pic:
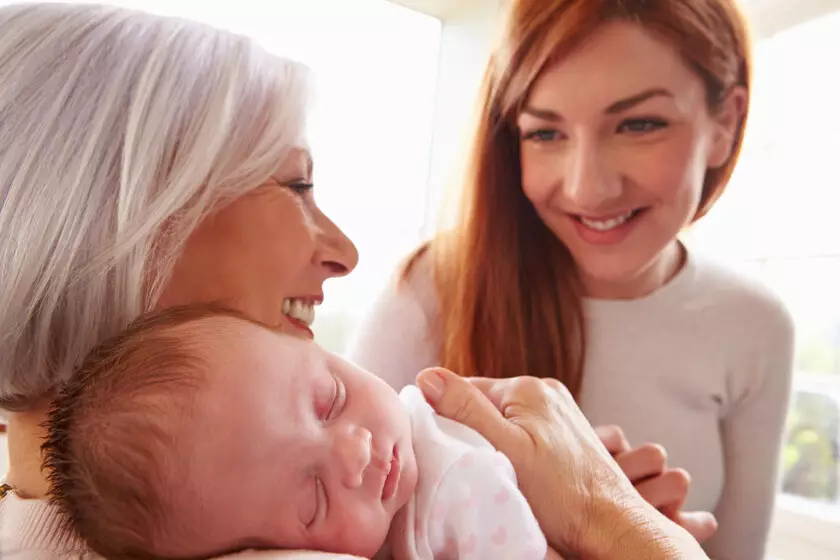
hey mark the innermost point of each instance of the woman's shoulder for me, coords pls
(736, 293)
(35, 529)
(415, 278)
(410, 293)
(398, 336)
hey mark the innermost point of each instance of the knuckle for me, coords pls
(557, 388)
(460, 408)
(528, 381)
(527, 384)
(553, 383)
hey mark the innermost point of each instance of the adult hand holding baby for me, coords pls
(585, 503)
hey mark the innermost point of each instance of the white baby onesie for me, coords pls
(467, 504)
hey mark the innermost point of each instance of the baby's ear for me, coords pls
(727, 118)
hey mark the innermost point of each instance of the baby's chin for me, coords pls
(364, 542)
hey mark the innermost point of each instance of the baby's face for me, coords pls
(293, 447)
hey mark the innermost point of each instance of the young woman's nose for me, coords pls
(590, 182)
(352, 447)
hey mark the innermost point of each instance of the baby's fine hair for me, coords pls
(113, 451)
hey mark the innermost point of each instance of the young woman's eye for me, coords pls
(641, 126)
(338, 400)
(542, 135)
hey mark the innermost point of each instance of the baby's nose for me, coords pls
(353, 454)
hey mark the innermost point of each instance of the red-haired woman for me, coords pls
(606, 128)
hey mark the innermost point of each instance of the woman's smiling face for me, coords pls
(616, 139)
(266, 254)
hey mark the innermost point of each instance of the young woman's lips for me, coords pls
(605, 232)
(392, 480)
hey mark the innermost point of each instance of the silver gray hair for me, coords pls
(119, 132)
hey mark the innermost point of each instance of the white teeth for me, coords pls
(606, 225)
(303, 311)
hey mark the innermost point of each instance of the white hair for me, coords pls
(119, 132)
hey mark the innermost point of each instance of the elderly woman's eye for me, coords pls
(301, 187)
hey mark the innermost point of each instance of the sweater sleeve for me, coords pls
(752, 435)
(397, 340)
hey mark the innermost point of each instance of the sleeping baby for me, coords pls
(197, 432)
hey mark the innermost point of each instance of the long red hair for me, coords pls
(510, 303)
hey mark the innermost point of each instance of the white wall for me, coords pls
(771, 16)
(466, 39)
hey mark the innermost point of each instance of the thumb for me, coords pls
(455, 398)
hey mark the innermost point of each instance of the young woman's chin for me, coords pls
(626, 274)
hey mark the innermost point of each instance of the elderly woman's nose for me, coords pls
(336, 253)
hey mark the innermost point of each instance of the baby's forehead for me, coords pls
(257, 382)
(230, 343)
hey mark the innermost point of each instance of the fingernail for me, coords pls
(431, 383)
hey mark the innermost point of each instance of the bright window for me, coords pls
(778, 221)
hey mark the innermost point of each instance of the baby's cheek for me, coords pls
(361, 531)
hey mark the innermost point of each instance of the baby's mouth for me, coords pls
(392, 479)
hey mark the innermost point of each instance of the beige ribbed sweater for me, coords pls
(701, 366)
(32, 530)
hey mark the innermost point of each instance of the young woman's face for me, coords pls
(616, 140)
(267, 254)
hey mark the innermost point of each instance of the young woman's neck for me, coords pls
(660, 272)
(25, 436)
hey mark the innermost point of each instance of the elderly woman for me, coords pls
(148, 162)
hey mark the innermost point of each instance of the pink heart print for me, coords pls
(501, 497)
(499, 536)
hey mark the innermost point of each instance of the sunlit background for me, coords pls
(395, 89)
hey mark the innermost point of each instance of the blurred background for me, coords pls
(396, 83)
